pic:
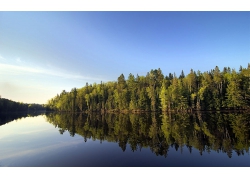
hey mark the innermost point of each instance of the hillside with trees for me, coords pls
(7, 105)
(211, 90)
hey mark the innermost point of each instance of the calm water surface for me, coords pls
(152, 140)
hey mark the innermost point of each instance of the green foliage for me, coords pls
(7, 105)
(211, 90)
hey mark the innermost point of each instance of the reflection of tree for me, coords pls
(121, 130)
(181, 129)
(240, 126)
(224, 133)
(7, 117)
(61, 131)
(134, 138)
(158, 144)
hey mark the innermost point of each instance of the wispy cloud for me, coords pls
(2, 58)
(18, 60)
(9, 67)
(20, 69)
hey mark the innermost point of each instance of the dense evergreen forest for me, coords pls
(211, 90)
(7, 105)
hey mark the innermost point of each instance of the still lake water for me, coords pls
(125, 140)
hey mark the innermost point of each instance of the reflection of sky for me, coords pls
(36, 151)
(42, 53)
(23, 126)
(32, 142)
(29, 137)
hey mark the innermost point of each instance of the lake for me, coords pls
(125, 140)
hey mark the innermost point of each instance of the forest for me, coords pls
(7, 105)
(197, 91)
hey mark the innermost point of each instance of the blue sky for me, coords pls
(43, 53)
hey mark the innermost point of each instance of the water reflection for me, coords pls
(221, 132)
(6, 117)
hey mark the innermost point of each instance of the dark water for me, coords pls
(152, 140)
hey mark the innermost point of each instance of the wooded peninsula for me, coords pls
(211, 90)
(7, 105)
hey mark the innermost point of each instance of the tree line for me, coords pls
(7, 105)
(211, 90)
(206, 132)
